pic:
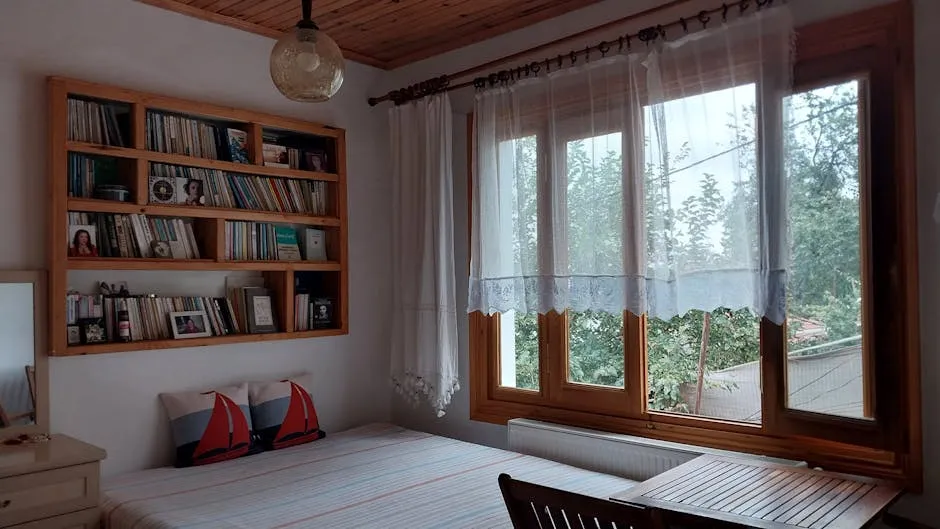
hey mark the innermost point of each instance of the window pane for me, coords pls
(701, 225)
(595, 348)
(519, 351)
(715, 374)
(825, 368)
(594, 198)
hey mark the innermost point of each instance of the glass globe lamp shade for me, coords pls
(307, 65)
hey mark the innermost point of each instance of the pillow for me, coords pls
(283, 412)
(210, 426)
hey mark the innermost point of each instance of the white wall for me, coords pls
(927, 17)
(111, 400)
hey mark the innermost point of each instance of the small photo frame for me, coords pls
(260, 313)
(316, 160)
(92, 330)
(191, 191)
(190, 324)
(322, 313)
(83, 241)
(74, 334)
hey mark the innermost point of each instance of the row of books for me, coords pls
(134, 235)
(96, 123)
(312, 313)
(233, 190)
(87, 171)
(78, 306)
(149, 317)
(252, 241)
(181, 135)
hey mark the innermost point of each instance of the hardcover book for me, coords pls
(238, 145)
(275, 156)
(315, 244)
(286, 242)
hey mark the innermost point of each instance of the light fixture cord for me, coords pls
(306, 22)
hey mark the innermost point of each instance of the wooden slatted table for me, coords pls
(762, 494)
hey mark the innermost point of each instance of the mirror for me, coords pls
(23, 372)
(17, 355)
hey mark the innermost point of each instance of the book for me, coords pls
(238, 145)
(286, 242)
(315, 244)
(275, 156)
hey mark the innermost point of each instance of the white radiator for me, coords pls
(631, 457)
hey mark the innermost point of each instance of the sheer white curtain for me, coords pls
(649, 181)
(424, 341)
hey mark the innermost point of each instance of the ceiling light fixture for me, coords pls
(306, 64)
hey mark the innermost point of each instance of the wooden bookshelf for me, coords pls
(279, 275)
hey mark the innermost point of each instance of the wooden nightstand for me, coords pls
(50, 485)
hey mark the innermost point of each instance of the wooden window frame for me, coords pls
(878, 40)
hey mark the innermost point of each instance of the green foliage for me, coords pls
(822, 169)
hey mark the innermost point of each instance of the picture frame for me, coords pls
(190, 324)
(83, 240)
(316, 160)
(322, 313)
(260, 308)
(73, 334)
(92, 330)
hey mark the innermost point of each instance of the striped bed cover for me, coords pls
(379, 475)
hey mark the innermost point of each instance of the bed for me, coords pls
(379, 475)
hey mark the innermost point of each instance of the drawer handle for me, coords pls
(4, 504)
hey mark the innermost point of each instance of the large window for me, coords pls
(837, 372)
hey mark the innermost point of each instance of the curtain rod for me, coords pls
(625, 42)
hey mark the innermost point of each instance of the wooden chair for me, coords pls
(534, 506)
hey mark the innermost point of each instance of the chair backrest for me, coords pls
(534, 506)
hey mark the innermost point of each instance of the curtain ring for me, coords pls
(743, 5)
(704, 19)
(587, 53)
(560, 61)
(724, 12)
(762, 3)
(603, 47)
(536, 68)
(573, 56)
(620, 40)
(685, 25)
(629, 46)
(548, 66)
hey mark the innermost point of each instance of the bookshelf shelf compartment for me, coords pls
(138, 263)
(192, 161)
(150, 345)
(131, 167)
(93, 205)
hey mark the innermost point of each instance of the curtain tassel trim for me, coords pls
(414, 388)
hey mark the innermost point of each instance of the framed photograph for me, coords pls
(83, 241)
(316, 161)
(191, 192)
(92, 330)
(322, 313)
(190, 324)
(74, 334)
(260, 312)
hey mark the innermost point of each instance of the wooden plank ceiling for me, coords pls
(383, 33)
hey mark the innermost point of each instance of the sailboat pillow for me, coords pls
(283, 412)
(210, 426)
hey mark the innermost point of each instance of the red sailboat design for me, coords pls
(226, 435)
(300, 425)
